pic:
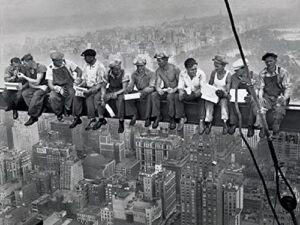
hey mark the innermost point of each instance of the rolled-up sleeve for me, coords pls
(202, 78)
(286, 83)
(100, 75)
(49, 73)
(181, 81)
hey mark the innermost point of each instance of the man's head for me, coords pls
(57, 58)
(115, 66)
(162, 59)
(140, 63)
(191, 66)
(219, 63)
(28, 61)
(89, 56)
(15, 62)
(239, 67)
(270, 59)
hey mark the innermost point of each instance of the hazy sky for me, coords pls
(66, 16)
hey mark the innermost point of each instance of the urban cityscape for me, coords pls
(148, 176)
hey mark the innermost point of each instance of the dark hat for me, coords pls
(89, 52)
(15, 60)
(27, 57)
(190, 62)
(220, 59)
(269, 54)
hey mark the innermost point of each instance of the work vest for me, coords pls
(62, 76)
(115, 83)
(272, 87)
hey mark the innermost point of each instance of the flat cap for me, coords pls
(27, 57)
(89, 52)
(57, 55)
(139, 60)
(269, 54)
(115, 62)
(239, 64)
(220, 59)
(161, 55)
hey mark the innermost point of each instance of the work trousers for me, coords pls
(157, 98)
(91, 104)
(60, 103)
(34, 99)
(233, 116)
(12, 98)
(144, 101)
(180, 109)
(209, 107)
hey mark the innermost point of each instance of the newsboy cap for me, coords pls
(269, 54)
(220, 59)
(57, 55)
(89, 52)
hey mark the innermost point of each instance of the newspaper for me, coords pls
(132, 96)
(209, 93)
(242, 93)
(13, 86)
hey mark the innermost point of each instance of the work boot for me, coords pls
(231, 129)
(75, 122)
(121, 126)
(147, 122)
(31, 121)
(225, 127)
(15, 114)
(208, 127)
(250, 132)
(99, 123)
(60, 117)
(91, 124)
(262, 133)
(172, 125)
(156, 123)
(201, 127)
(181, 124)
(133, 120)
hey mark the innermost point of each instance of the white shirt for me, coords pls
(221, 84)
(68, 64)
(185, 81)
(94, 74)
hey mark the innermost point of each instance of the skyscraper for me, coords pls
(71, 172)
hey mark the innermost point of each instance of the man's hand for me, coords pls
(171, 90)
(198, 93)
(87, 93)
(161, 92)
(57, 89)
(143, 94)
(248, 98)
(182, 96)
(21, 75)
(78, 81)
(43, 87)
(220, 93)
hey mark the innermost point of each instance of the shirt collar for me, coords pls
(92, 66)
(265, 71)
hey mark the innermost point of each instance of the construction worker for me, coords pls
(60, 80)
(274, 91)
(13, 97)
(240, 80)
(144, 80)
(35, 94)
(92, 79)
(117, 81)
(219, 78)
(167, 76)
(189, 87)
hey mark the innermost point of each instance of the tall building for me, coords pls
(233, 196)
(71, 172)
(111, 149)
(24, 137)
(153, 150)
(3, 135)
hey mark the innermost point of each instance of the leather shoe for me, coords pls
(60, 118)
(133, 120)
(208, 127)
(99, 123)
(172, 124)
(181, 124)
(147, 122)
(91, 124)
(262, 133)
(121, 127)
(231, 129)
(31, 121)
(156, 123)
(201, 127)
(15, 114)
(75, 122)
(225, 128)
(250, 132)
